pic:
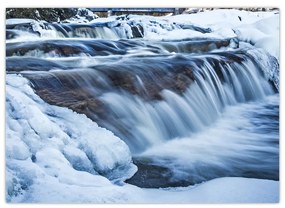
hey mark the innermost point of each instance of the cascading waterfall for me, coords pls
(151, 123)
(165, 99)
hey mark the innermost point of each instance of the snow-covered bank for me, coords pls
(49, 141)
(260, 29)
(221, 190)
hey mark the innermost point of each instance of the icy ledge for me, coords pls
(50, 143)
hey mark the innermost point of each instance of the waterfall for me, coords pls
(84, 31)
(183, 107)
(152, 123)
(159, 99)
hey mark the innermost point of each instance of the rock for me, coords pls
(10, 34)
(33, 158)
(195, 28)
(137, 31)
(199, 45)
(150, 175)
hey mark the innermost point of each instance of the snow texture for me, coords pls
(49, 141)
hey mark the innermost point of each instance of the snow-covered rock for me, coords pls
(83, 15)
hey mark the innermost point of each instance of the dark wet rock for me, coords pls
(138, 31)
(151, 175)
(11, 34)
(195, 28)
(149, 79)
(63, 91)
(160, 172)
(198, 46)
(33, 158)
(45, 47)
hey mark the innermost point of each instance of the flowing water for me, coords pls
(188, 111)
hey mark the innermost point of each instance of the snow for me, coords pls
(78, 159)
(262, 34)
(56, 139)
(19, 21)
(259, 28)
(220, 17)
(222, 190)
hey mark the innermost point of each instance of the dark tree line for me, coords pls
(47, 14)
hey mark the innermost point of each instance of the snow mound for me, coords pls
(262, 34)
(261, 29)
(221, 190)
(44, 140)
